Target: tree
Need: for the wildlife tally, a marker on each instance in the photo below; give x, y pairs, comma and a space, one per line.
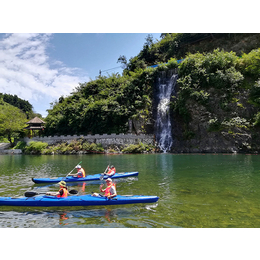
149, 41
12, 121
15, 101
123, 61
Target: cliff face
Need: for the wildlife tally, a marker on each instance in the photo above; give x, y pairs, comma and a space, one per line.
199, 135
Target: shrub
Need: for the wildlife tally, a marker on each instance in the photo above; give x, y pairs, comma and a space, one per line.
235, 122
200, 96
20, 145
250, 64
138, 148
35, 147
96, 148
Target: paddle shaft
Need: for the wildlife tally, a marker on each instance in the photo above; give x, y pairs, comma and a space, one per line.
106, 169
102, 176
71, 171
32, 193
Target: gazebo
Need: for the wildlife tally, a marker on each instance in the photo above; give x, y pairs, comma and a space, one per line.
35, 124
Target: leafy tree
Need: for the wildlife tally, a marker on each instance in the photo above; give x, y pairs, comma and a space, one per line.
122, 59
15, 101
12, 121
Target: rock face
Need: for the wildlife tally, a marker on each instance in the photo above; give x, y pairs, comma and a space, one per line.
231, 136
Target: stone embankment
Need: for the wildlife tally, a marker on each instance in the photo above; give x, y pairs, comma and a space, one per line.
4, 149
106, 140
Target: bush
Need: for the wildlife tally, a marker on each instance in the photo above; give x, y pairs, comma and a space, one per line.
235, 122
138, 148
20, 145
250, 64
35, 147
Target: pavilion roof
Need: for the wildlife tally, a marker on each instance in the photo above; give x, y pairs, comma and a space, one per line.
36, 120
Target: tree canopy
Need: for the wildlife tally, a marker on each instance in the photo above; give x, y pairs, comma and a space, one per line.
15, 101
12, 121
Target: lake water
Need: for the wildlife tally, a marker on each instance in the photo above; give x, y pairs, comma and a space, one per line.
195, 191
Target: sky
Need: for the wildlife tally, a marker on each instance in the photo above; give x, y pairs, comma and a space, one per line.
41, 67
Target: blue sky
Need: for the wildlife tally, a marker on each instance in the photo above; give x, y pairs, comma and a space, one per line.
42, 67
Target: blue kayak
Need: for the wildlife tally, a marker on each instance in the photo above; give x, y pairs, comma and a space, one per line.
81, 200
94, 177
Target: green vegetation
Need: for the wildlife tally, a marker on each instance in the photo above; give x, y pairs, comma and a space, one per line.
12, 121
15, 101
103, 105
218, 84
73, 147
79, 146
35, 147
206, 76
14, 113
106, 105
20, 145
138, 148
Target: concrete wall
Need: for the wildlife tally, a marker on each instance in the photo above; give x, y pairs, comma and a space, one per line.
105, 139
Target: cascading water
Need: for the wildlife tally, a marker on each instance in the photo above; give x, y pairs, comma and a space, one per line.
166, 88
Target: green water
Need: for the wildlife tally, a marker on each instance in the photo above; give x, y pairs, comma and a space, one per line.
197, 190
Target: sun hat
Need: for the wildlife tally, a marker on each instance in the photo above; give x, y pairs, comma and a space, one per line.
78, 166
108, 179
62, 183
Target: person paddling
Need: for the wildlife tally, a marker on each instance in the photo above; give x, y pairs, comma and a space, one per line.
81, 172
110, 191
111, 170
63, 191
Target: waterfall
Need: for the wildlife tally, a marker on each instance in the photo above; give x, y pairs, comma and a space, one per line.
165, 88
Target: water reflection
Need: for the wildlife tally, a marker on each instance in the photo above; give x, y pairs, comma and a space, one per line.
63, 216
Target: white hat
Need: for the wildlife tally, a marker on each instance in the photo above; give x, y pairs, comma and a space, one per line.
78, 167
108, 179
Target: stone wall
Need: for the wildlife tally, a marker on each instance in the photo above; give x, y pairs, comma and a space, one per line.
11, 151
105, 139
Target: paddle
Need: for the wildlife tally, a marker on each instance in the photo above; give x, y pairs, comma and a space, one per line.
71, 171
32, 193
102, 175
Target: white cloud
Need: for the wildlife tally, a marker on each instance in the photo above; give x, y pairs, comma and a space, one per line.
25, 70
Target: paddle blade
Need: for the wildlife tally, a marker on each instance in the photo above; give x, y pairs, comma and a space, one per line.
73, 192
30, 194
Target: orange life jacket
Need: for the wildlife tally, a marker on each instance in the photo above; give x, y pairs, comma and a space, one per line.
111, 171
81, 173
107, 190
65, 193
